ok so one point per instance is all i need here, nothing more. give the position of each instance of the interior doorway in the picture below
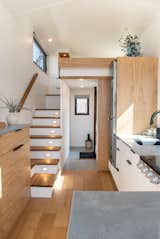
(82, 125)
(85, 113)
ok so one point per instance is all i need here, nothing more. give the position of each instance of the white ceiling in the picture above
(86, 27)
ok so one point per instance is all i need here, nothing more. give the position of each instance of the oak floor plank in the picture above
(49, 218)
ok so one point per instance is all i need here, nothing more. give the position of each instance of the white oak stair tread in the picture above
(46, 161)
(48, 109)
(45, 126)
(43, 180)
(46, 137)
(52, 94)
(45, 148)
(46, 117)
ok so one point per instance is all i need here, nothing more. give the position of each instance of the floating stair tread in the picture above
(46, 117)
(46, 137)
(47, 109)
(44, 162)
(45, 148)
(43, 180)
(45, 126)
(53, 95)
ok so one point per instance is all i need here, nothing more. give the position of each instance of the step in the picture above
(45, 169)
(47, 113)
(45, 148)
(45, 161)
(46, 136)
(52, 101)
(46, 117)
(45, 131)
(41, 154)
(44, 121)
(45, 126)
(46, 142)
(42, 185)
(47, 109)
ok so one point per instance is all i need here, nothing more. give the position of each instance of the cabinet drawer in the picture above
(13, 139)
(14, 185)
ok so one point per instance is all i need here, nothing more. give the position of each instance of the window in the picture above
(81, 105)
(39, 56)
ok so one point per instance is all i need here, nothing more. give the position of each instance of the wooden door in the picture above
(103, 123)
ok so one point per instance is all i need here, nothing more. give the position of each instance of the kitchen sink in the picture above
(146, 141)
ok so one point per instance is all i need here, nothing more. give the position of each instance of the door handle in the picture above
(18, 147)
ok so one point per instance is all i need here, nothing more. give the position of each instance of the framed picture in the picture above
(82, 105)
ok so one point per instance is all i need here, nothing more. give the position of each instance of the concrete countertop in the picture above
(142, 150)
(115, 215)
(13, 128)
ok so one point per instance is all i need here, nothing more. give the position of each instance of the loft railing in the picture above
(26, 93)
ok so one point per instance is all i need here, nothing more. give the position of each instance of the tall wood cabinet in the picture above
(136, 93)
(14, 178)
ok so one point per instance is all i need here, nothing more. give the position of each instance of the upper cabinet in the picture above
(136, 93)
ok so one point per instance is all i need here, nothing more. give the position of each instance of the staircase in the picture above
(45, 141)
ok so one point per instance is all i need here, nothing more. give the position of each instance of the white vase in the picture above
(12, 118)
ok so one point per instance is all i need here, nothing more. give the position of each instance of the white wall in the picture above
(81, 125)
(16, 68)
(65, 120)
(151, 45)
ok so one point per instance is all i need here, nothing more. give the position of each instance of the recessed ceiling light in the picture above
(81, 79)
(44, 169)
(50, 39)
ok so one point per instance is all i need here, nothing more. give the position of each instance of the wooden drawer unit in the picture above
(13, 139)
(14, 178)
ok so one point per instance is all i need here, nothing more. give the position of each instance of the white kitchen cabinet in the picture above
(127, 176)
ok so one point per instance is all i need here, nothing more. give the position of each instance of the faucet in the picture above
(152, 121)
(153, 116)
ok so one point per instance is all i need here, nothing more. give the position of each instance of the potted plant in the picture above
(130, 44)
(88, 142)
(11, 104)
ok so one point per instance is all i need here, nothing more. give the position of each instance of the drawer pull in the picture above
(118, 149)
(129, 162)
(117, 169)
(18, 130)
(18, 147)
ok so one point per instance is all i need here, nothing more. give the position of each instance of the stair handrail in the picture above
(26, 93)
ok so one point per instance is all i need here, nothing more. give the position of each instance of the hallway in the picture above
(49, 218)
(75, 163)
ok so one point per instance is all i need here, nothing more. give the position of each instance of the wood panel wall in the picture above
(136, 93)
(103, 123)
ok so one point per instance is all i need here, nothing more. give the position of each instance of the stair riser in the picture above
(53, 122)
(45, 142)
(41, 192)
(53, 102)
(45, 169)
(47, 113)
(45, 154)
(49, 131)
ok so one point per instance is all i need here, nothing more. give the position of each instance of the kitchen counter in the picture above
(115, 215)
(141, 150)
(13, 128)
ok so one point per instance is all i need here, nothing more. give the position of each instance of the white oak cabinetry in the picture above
(14, 177)
(127, 175)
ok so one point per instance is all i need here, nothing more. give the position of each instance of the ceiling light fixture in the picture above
(81, 79)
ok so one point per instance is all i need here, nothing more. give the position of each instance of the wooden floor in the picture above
(49, 218)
